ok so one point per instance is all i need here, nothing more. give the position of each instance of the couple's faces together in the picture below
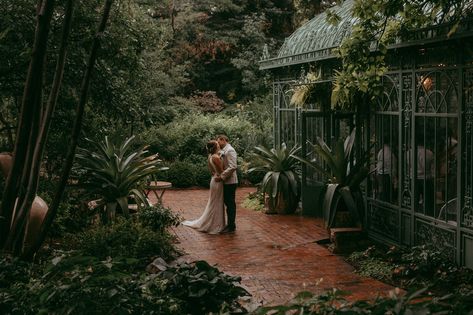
(220, 143)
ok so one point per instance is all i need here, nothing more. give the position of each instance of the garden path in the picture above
(276, 256)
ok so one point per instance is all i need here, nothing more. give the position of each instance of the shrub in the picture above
(188, 136)
(181, 174)
(71, 283)
(202, 288)
(13, 270)
(158, 218)
(115, 172)
(334, 303)
(125, 238)
(254, 201)
(416, 267)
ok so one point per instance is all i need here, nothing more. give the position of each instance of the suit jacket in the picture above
(229, 159)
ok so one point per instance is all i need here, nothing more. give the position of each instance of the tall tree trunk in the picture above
(31, 96)
(40, 139)
(75, 133)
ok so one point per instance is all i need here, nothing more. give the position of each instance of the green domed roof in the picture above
(315, 39)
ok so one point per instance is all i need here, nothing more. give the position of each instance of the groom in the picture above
(230, 180)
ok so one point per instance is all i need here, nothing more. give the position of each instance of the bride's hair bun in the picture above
(211, 146)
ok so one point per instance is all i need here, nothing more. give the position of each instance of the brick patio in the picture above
(276, 256)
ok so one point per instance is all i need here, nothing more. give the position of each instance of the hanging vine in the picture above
(380, 23)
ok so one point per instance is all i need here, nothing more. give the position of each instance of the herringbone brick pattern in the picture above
(276, 256)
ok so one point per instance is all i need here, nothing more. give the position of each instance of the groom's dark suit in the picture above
(230, 181)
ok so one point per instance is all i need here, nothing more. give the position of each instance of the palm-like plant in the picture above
(345, 173)
(117, 172)
(281, 181)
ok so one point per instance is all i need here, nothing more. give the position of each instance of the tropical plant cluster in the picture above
(102, 270)
(380, 23)
(281, 182)
(181, 144)
(73, 284)
(414, 268)
(334, 302)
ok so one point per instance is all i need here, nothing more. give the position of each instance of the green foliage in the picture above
(372, 267)
(76, 284)
(116, 172)
(416, 267)
(254, 201)
(158, 218)
(204, 288)
(127, 238)
(378, 24)
(219, 43)
(281, 180)
(184, 174)
(189, 135)
(345, 171)
(279, 166)
(340, 163)
(334, 302)
(13, 270)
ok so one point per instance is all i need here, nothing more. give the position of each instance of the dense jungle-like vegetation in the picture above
(137, 87)
(173, 74)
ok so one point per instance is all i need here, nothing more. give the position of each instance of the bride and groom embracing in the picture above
(222, 163)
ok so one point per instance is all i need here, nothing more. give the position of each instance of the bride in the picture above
(212, 220)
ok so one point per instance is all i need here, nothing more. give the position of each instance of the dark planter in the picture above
(281, 205)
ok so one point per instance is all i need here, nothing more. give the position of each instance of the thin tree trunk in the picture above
(30, 98)
(75, 133)
(41, 137)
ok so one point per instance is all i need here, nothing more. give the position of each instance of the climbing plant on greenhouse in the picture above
(380, 23)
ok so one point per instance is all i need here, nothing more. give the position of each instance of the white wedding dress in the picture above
(212, 220)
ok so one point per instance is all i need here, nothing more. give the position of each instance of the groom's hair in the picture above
(224, 137)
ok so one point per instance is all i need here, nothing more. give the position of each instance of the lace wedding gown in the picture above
(212, 220)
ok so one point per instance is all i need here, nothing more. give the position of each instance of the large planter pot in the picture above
(342, 207)
(281, 205)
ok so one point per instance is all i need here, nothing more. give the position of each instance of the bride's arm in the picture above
(218, 163)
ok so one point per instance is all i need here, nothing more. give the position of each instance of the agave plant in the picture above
(117, 173)
(281, 181)
(345, 174)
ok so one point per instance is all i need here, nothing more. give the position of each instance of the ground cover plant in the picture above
(334, 302)
(102, 270)
(414, 268)
(254, 201)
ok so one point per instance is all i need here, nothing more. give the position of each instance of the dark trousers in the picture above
(229, 200)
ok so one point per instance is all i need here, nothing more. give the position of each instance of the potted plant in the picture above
(281, 182)
(345, 174)
(116, 173)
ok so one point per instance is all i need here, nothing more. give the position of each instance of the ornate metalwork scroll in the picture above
(406, 144)
(467, 180)
(442, 239)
